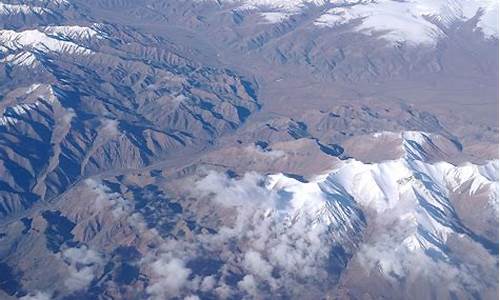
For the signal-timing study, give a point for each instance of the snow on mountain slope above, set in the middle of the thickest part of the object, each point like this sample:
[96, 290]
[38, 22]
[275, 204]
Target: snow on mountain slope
[388, 185]
[73, 32]
[285, 229]
[413, 194]
[477, 177]
[39, 3]
[35, 39]
[283, 5]
[417, 145]
[20, 48]
[26, 48]
[22, 59]
[324, 205]
[53, 2]
[407, 205]
[11, 114]
[412, 20]
[410, 186]
[16, 9]
[396, 21]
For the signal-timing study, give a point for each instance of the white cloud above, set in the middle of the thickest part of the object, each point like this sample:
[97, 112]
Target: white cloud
[223, 291]
[248, 191]
[249, 285]
[255, 264]
[208, 283]
[172, 276]
[69, 115]
[110, 127]
[257, 150]
[83, 264]
[285, 230]
[106, 199]
[275, 237]
[177, 100]
[37, 296]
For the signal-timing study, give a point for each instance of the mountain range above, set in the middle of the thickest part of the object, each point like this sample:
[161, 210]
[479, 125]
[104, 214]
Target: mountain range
[253, 149]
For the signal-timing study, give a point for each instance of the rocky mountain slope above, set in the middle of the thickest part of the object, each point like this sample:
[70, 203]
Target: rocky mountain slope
[248, 149]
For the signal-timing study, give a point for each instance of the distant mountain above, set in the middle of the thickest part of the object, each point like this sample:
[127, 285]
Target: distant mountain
[396, 21]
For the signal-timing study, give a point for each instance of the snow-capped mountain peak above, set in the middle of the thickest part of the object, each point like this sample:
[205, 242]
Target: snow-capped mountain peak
[22, 59]
[411, 193]
[35, 95]
[39, 40]
[12, 9]
[412, 21]
[73, 32]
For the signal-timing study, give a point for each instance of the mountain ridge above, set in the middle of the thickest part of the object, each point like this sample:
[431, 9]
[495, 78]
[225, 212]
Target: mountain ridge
[161, 149]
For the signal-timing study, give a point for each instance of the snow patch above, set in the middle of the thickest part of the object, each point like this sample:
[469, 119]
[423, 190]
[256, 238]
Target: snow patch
[74, 32]
[15, 9]
[411, 21]
[11, 40]
[275, 17]
[12, 114]
[22, 59]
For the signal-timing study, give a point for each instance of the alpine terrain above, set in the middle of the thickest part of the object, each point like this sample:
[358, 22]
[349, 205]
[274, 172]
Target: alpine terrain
[249, 149]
